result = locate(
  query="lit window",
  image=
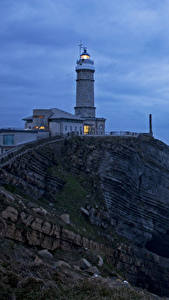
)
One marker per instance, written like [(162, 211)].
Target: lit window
[(42, 127), (8, 140), (87, 129), (36, 127)]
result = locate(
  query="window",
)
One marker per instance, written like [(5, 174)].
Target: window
[(42, 127), (66, 128), (87, 129), (75, 128), (8, 140), (70, 128)]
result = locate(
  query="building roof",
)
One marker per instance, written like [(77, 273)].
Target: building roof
[(57, 114), (12, 130), (28, 118), (61, 114)]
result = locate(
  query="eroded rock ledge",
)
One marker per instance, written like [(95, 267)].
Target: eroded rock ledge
[(37, 231)]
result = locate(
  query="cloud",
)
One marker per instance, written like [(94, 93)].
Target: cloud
[(129, 41)]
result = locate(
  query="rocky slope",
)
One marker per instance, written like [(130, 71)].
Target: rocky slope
[(70, 267), (116, 191)]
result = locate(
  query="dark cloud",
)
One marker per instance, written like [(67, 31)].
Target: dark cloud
[(128, 40)]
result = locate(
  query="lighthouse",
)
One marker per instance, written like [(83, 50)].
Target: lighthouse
[(85, 107), (85, 86)]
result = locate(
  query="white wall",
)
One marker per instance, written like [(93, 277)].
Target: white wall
[(54, 128), (20, 137), (28, 125), (64, 127), (68, 127)]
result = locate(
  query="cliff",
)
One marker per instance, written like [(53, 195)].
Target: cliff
[(116, 191)]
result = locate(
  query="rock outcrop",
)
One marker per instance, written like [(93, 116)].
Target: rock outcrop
[(38, 231), (128, 178)]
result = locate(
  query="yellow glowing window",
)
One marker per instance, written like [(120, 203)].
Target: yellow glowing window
[(39, 117), (86, 129), (42, 127), (85, 56), (36, 127)]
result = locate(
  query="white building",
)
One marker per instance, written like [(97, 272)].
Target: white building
[(10, 138), (56, 121)]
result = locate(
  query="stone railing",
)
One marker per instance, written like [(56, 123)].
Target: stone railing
[(124, 133), (119, 133)]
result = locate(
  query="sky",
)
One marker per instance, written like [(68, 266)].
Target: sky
[(127, 39)]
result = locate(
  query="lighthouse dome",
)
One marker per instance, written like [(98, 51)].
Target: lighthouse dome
[(85, 62)]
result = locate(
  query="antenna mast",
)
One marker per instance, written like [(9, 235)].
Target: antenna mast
[(150, 125), (80, 47)]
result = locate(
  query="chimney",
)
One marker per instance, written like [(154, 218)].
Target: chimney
[(150, 125)]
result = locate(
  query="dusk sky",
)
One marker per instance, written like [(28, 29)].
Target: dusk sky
[(128, 40)]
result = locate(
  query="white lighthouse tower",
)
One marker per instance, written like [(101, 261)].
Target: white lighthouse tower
[(85, 108)]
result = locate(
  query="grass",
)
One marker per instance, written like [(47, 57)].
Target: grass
[(71, 198), (82, 290)]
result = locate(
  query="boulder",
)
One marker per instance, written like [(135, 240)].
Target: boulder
[(84, 211), (37, 224), (10, 213), (45, 254), (26, 219), (65, 218), (84, 264), (61, 263), (100, 261), (38, 261), (46, 227), (41, 211)]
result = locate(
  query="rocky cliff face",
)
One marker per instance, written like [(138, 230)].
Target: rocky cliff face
[(134, 180), (127, 179)]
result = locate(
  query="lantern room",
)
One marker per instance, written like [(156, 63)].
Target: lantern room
[(85, 55)]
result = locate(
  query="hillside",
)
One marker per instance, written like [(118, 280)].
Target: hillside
[(87, 198)]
